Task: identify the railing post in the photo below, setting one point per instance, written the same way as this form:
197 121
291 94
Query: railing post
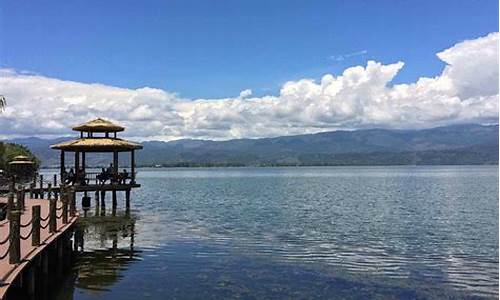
72 203
55 180
31 190
41 187
35 192
15 237
52 216
49 191
64 201
35 238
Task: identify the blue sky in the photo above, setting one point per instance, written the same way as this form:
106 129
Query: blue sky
215 49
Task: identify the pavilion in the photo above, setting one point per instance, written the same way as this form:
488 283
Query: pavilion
99 136
22 166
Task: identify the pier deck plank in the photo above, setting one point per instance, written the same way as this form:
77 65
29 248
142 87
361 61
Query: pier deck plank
9 272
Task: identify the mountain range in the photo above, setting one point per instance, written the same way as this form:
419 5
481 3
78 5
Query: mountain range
457 144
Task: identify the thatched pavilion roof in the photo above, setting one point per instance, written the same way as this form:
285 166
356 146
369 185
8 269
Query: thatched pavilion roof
98 125
21 160
21 157
97 144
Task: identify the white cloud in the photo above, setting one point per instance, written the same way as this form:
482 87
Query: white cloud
245 93
360 97
342 57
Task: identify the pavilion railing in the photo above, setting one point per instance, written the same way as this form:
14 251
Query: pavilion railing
92 178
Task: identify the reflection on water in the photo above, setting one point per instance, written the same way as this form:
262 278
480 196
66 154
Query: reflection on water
105 248
379 232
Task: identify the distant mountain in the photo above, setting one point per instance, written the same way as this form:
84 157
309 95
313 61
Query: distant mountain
459 144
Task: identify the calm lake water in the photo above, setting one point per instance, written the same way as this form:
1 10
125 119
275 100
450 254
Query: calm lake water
301 233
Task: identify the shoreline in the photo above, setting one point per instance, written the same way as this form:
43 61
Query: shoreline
290 166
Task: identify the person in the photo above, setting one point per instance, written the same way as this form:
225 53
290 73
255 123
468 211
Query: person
80 176
113 176
123 176
70 177
103 176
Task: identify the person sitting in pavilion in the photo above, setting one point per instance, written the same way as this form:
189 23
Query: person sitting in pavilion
70 177
80 177
113 176
103 176
123 176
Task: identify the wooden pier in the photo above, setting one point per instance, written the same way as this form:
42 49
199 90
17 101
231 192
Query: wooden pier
35 242
36 237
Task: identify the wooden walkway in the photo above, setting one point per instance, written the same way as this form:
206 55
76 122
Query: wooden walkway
9 272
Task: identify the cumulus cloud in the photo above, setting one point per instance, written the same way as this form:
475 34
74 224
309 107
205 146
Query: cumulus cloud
361 97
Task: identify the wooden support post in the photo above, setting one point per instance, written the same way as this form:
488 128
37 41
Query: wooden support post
52 216
113 208
49 191
44 278
35 237
31 281
103 197
127 198
60 258
10 204
15 237
72 203
41 187
97 204
65 201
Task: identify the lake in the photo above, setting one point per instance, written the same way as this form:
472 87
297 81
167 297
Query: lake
298 233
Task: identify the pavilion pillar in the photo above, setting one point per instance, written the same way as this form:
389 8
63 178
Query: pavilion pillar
114 202
132 167
77 161
83 161
63 167
127 199
115 161
103 199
